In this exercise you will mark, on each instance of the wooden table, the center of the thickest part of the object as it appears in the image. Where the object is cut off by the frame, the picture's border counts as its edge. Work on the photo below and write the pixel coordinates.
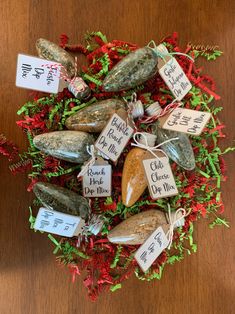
(31, 282)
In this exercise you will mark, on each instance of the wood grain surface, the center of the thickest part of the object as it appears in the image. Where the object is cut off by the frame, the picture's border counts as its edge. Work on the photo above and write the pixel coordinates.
(30, 280)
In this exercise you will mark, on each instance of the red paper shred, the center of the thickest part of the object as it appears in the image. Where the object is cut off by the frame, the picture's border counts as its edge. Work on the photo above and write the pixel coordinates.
(7, 148)
(63, 40)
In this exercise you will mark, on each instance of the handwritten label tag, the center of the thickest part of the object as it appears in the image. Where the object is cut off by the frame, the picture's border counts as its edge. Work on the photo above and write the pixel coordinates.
(38, 74)
(175, 78)
(114, 137)
(58, 223)
(96, 181)
(160, 179)
(151, 249)
(186, 121)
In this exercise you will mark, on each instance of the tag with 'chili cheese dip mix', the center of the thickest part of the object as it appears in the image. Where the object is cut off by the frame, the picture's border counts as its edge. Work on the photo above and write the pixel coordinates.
(160, 179)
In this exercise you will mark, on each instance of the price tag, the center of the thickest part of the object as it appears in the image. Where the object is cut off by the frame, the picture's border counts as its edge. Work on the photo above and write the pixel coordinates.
(96, 181)
(115, 136)
(175, 78)
(151, 249)
(186, 121)
(39, 74)
(58, 223)
(160, 179)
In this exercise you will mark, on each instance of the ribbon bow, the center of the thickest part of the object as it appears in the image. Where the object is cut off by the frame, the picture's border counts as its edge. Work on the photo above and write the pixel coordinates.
(151, 149)
(174, 222)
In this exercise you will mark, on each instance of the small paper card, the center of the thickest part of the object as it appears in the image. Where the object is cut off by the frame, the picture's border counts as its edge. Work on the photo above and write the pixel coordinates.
(114, 137)
(57, 223)
(38, 74)
(175, 78)
(186, 121)
(96, 181)
(151, 249)
(160, 179)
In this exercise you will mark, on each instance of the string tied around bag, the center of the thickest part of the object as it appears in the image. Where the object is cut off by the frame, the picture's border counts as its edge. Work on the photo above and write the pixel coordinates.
(155, 111)
(162, 52)
(146, 141)
(175, 219)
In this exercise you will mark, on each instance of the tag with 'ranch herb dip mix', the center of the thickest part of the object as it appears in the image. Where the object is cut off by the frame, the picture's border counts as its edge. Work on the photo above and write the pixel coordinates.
(115, 135)
(97, 179)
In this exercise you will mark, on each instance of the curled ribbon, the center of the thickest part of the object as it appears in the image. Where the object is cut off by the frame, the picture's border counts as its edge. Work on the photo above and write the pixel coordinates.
(174, 221)
(146, 146)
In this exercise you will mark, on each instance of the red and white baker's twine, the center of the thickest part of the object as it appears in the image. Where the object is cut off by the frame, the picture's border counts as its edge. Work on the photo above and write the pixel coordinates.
(168, 109)
(64, 76)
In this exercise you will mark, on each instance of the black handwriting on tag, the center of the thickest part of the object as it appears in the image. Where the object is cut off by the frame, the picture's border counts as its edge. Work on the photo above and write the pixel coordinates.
(175, 78)
(97, 181)
(56, 222)
(187, 121)
(114, 137)
(160, 179)
(151, 249)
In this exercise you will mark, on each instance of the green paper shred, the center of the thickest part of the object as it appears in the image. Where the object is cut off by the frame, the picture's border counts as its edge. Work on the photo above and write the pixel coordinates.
(92, 79)
(219, 222)
(122, 51)
(98, 34)
(203, 173)
(62, 172)
(117, 256)
(115, 287)
(104, 60)
(31, 218)
(148, 276)
(174, 258)
(228, 150)
(56, 243)
(68, 252)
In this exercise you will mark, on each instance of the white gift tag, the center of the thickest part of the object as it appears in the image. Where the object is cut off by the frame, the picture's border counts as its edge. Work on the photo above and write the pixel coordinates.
(151, 249)
(96, 181)
(186, 121)
(38, 74)
(58, 223)
(175, 78)
(114, 137)
(160, 179)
